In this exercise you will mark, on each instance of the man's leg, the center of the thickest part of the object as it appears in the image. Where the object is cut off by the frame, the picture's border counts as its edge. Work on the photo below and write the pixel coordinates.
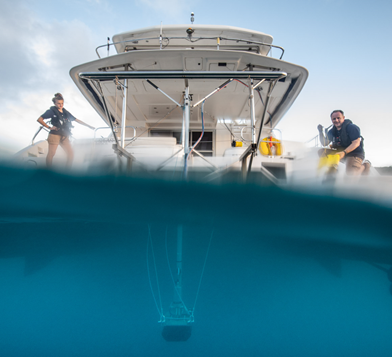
(367, 166)
(354, 165)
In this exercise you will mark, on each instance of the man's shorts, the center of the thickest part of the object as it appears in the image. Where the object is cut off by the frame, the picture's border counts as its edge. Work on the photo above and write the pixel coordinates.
(354, 165)
(54, 139)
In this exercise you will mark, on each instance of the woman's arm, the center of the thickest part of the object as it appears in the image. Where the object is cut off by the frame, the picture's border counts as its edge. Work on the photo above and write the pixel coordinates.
(42, 122)
(84, 124)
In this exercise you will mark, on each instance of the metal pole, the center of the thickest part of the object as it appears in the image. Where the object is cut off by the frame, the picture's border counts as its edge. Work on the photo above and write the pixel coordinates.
(99, 87)
(252, 110)
(38, 131)
(187, 111)
(271, 87)
(183, 132)
(160, 90)
(213, 92)
(124, 113)
(243, 167)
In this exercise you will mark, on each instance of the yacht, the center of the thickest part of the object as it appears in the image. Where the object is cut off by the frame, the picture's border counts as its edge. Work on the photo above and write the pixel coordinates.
(199, 101)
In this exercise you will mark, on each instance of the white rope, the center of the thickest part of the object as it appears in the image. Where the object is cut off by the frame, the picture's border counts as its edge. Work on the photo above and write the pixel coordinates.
(202, 272)
(149, 241)
(171, 274)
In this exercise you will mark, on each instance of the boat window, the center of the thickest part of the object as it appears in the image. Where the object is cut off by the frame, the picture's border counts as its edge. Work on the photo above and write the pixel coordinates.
(205, 146)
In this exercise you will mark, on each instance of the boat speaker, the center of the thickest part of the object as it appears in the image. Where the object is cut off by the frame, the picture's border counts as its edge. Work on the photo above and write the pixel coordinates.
(176, 333)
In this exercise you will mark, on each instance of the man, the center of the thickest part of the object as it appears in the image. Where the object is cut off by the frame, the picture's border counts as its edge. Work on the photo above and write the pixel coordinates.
(346, 142)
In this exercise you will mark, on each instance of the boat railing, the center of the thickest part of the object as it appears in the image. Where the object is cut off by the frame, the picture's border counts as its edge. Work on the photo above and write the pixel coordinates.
(244, 127)
(110, 138)
(315, 141)
(39, 130)
(95, 139)
(108, 127)
(192, 40)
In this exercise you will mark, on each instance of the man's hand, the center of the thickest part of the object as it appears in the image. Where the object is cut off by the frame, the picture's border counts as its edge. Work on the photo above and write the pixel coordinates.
(341, 154)
(320, 128)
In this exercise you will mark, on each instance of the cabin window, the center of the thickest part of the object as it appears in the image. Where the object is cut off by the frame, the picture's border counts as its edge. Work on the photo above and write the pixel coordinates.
(206, 145)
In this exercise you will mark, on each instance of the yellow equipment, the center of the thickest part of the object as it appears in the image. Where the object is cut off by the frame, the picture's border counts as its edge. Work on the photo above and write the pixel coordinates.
(329, 161)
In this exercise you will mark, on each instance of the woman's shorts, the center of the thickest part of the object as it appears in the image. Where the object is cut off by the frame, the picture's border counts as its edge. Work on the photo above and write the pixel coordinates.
(57, 139)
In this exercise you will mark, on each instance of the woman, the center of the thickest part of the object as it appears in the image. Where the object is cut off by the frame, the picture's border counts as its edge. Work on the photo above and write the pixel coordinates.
(60, 131)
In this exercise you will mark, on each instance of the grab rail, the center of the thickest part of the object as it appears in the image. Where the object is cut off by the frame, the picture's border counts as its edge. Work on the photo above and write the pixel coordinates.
(270, 130)
(38, 131)
(193, 40)
(316, 139)
(108, 127)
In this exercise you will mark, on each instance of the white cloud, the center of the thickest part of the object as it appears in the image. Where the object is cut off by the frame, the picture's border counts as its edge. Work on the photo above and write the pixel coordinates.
(35, 64)
(38, 53)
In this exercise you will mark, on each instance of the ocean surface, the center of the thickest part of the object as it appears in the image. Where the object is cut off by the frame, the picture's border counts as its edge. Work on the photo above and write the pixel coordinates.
(86, 265)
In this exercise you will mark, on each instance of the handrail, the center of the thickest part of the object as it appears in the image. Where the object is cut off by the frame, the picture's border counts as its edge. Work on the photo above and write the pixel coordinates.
(272, 76)
(38, 131)
(193, 40)
(316, 138)
(271, 130)
(108, 127)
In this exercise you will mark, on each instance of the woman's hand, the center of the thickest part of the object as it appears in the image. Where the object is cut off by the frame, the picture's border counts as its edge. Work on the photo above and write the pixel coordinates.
(55, 128)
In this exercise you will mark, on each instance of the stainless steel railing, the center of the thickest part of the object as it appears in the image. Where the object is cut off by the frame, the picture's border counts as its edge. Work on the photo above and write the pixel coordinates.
(315, 140)
(218, 45)
(107, 127)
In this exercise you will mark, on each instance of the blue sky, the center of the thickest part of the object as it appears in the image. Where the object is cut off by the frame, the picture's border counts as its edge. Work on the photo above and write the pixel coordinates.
(344, 44)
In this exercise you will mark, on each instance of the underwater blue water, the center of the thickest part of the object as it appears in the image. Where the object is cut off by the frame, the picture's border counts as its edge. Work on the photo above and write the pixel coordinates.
(283, 276)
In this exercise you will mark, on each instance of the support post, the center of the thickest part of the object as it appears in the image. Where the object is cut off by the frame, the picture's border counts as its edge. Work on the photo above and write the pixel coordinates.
(271, 87)
(253, 150)
(186, 119)
(252, 110)
(124, 113)
(243, 167)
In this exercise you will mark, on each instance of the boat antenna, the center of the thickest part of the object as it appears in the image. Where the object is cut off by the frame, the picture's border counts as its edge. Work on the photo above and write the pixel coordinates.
(160, 38)
(192, 17)
(108, 45)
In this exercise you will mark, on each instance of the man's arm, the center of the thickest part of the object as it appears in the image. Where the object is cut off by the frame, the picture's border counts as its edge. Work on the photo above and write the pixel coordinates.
(355, 143)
